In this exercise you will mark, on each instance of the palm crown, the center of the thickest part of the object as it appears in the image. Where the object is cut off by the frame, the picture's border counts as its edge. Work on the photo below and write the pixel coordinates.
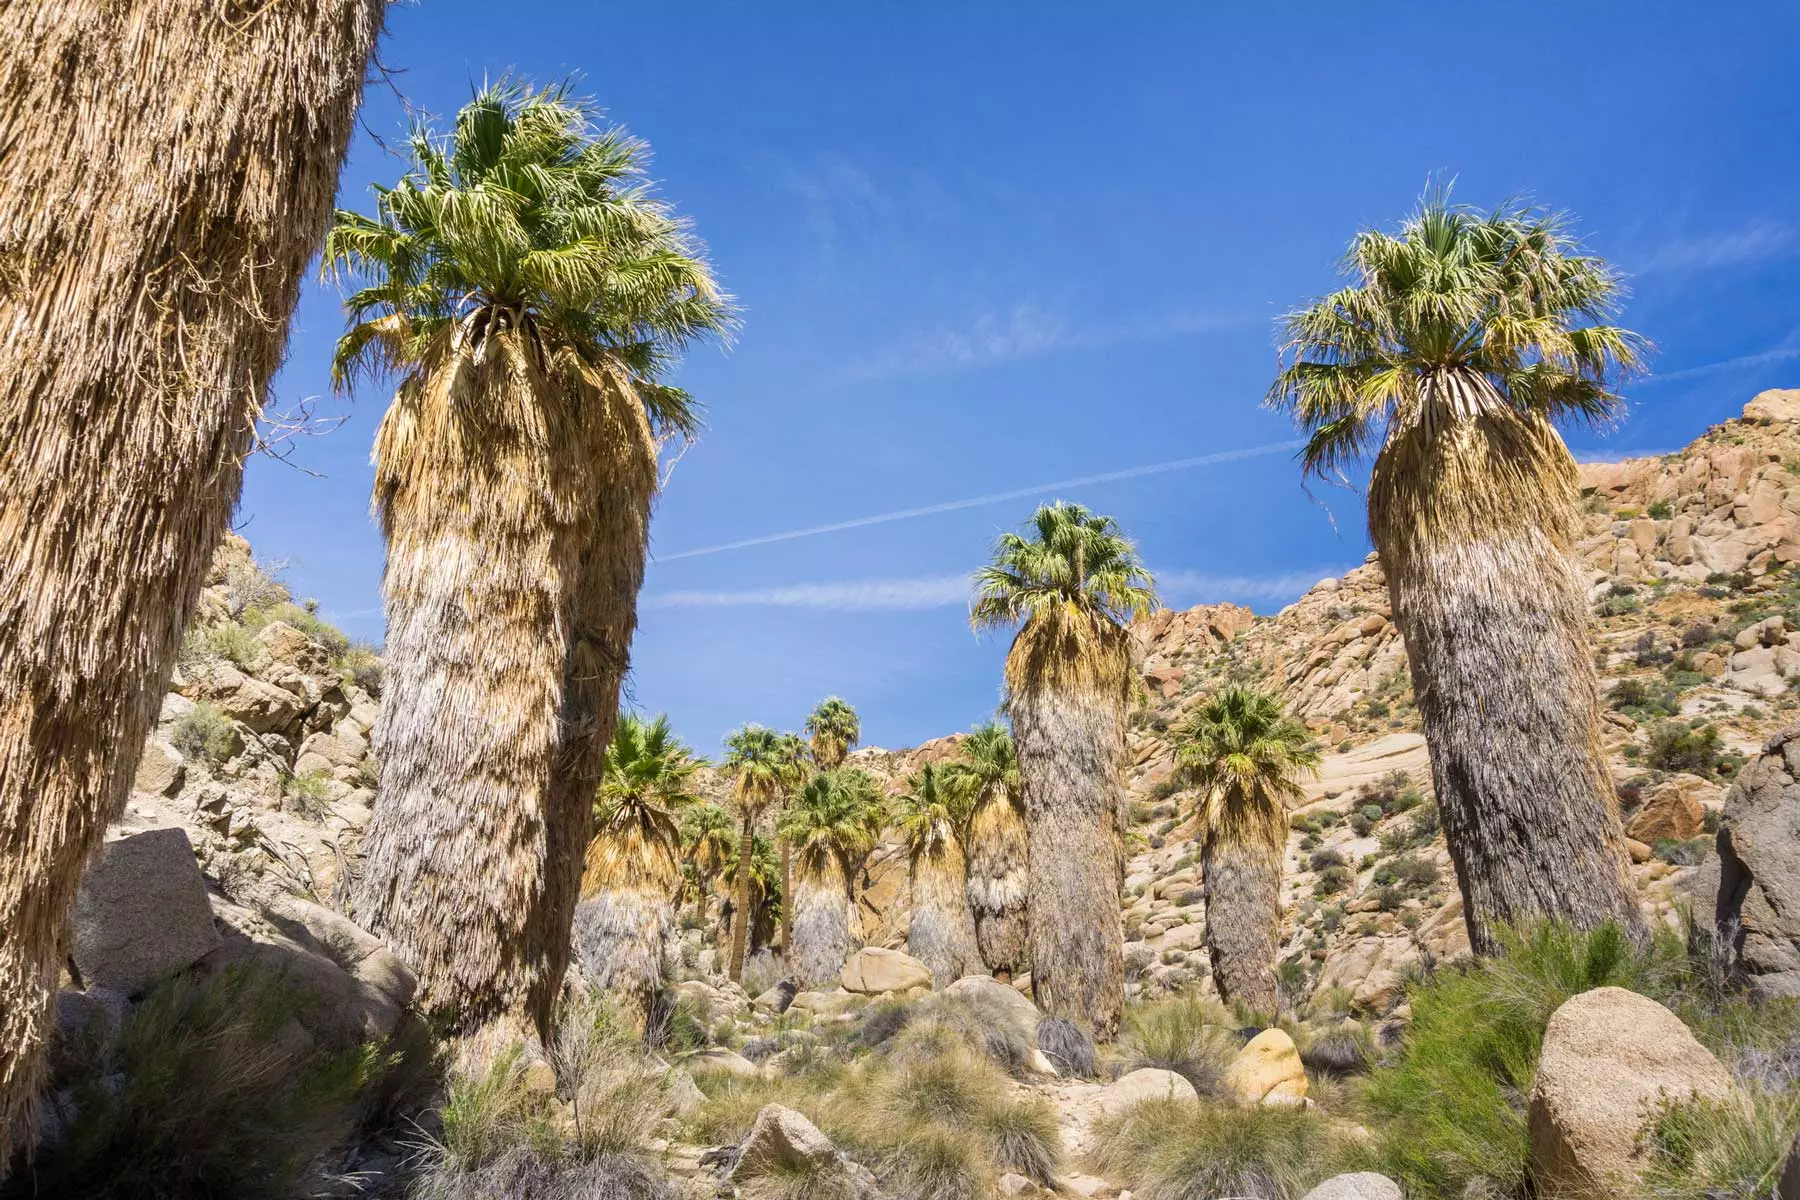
(1074, 559)
(647, 779)
(837, 812)
(761, 763)
(989, 762)
(930, 810)
(1245, 754)
(833, 728)
(1461, 313)
(527, 219)
(708, 836)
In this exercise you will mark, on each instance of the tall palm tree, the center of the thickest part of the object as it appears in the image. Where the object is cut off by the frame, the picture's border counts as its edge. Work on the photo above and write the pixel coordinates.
(169, 169)
(942, 932)
(832, 730)
(1246, 757)
(794, 751)
(1071, 586)
(1450, 352)
(625, 920)
(832, 824)
(999, 876)
(528, 293)
(761, 904)
(760, 763)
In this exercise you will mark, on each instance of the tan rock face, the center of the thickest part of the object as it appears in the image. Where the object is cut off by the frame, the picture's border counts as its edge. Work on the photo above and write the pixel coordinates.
(1670, 813)
(1146, 1083)
(1267, 1071)
(142, 913)
(1776, 404)
(1610, 1057)
(873, 970)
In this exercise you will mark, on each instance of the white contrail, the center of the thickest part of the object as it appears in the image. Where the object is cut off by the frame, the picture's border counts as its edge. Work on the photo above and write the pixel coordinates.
(1175, 464)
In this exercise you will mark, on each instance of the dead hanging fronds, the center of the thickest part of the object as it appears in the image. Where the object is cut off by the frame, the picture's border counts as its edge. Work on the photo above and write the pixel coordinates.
(278, 431)
(166, 178)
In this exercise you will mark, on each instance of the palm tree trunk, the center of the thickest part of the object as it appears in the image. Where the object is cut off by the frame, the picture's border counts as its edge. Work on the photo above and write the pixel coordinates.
(823, 939)
(740, 920)
(1070, 743)
(787, 900)
(998, 882)
(942, 932)
(484, 532)
(1474, 530)
(1243, 911)
(169, 172)
(621, 937)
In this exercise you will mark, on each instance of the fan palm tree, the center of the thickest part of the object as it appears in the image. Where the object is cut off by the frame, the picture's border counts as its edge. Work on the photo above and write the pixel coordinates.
(1071, 586)
(795, 751)
(832, 824)
(528, 293)
(1245, 756)
(760, 763)
(832, 730)
(169, 169)
(625, 919)
(1450, 353)
(987, 774)
(942, 933)
(707, 843)
(757, 910)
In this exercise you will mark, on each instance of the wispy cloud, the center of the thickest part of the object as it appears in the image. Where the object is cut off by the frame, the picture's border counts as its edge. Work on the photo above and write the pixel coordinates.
(953, 591)
(1789, 349)
(1760, 240)
(1027, 331)
(1036, 489)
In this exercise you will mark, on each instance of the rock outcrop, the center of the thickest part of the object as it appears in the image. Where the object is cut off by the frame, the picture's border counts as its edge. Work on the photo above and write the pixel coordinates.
(1360, 1185)
(1267, 1071)
(1759, 867)
(872, 971)
(142, 913)
(1610, 1057)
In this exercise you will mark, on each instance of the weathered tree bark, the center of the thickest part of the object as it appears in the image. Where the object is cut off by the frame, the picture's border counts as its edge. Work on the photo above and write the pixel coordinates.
(787, 907)
(942, 932)
(998, 881)
(167, 174)
(1474, 526)
(823, 934)
(1070, 743)
(740, 919)
(1243, 910)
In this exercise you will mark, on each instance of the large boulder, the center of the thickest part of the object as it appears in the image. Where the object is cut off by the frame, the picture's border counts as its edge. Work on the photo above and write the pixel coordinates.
(161, 770)
(261, 707)
(872, 971)
(142, 912)
(1759, 867)
(784, 1144)
(1773, 406)
(1360, 1185)
(1671, 813)
(1268, 1071)
(1145, 1083)
(1610, 1058)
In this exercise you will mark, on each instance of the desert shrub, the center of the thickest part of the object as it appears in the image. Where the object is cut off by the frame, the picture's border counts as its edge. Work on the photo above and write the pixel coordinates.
(361, 661)
(225, 642)
(1616, 603)
(1707, 1149)
(1690, 853)
(199, 1095)
(1389, 898)
(1333, 880)
(945, 1023)
(882, 1021)
(1344, 1048)
(1026, 1139)
(204, 733)
(762, 971)
(1323, 859)
(306, 793)
(1177, 1150)
(305, 619)
(1675, 747)
(1361, 823)
(1192, 1037)
(1660, 510)
(1067, 1046)
(1378, 707)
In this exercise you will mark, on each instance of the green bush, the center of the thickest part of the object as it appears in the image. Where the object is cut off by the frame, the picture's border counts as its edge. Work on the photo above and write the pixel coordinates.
(306, 793)
(1179, 1150)
(1675, 747)
(1333, 880)
(1703, 1149)
(199, 1095)
(1661, 510)
(206, 734)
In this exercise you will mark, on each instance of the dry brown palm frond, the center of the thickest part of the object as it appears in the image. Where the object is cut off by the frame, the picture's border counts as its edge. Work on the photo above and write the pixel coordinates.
(166, 177)
(999, 877)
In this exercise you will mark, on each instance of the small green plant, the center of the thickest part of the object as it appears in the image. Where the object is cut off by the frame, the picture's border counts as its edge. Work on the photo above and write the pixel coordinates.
(1674, 747)
(307, 793)
(1333, 880)
(1709, 1149)
(206, 734)
(1660, 510)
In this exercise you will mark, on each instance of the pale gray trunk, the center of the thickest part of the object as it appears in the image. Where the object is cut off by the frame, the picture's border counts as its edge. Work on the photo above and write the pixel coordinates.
(823, 936)
(1243, 908)
(942, 932)
(998, 883)
(622, 939)
(1070, 747)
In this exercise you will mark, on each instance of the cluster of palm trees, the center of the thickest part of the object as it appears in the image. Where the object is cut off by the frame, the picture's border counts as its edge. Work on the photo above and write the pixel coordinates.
(526, 295)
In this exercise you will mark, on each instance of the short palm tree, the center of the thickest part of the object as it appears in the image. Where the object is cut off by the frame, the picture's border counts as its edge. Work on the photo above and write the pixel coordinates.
(1071, 585)
(760, 763)
(707, 838)
(527, 293)
(625, 920)
(832, 730)
(832, 824)
(1452, 350)
(169, 167)
(988, 774)
(933, 817)
(1245, 757)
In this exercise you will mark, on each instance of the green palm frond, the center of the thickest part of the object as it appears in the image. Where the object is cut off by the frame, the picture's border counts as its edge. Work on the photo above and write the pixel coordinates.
(1460, 311)
(762, 764)
(988, 762)
(647, 781)
(530, 207)
(1245, 755)
(833, 728)
(1074, 558)
(931, 809)
(838, 812)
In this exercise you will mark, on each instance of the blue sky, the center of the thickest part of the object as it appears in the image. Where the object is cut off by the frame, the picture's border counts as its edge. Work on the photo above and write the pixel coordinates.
(985, 248)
